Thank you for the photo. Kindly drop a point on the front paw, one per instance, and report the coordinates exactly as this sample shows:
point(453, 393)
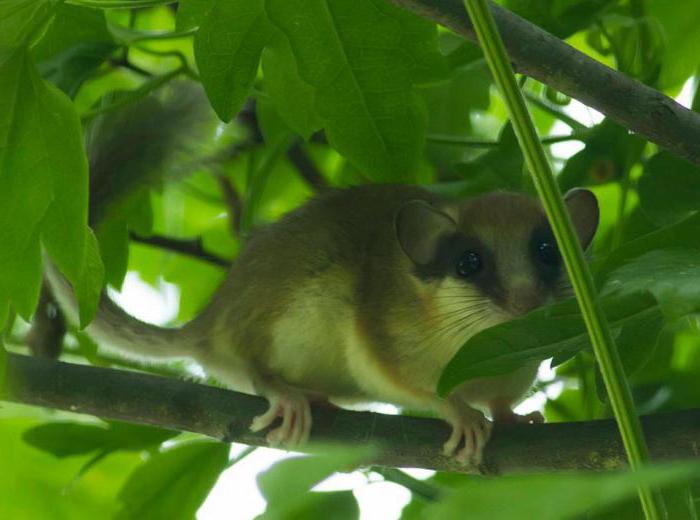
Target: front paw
point(469, 427)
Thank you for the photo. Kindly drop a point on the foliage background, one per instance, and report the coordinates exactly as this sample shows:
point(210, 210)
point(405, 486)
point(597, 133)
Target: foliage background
point(311, 95)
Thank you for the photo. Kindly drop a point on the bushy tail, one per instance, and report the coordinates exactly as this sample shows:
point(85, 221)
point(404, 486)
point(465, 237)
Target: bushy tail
point(128, 150)
point(112, 327)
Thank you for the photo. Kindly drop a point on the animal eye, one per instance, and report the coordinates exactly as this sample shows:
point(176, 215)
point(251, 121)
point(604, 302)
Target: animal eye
point(548, 253)
point(469, 264)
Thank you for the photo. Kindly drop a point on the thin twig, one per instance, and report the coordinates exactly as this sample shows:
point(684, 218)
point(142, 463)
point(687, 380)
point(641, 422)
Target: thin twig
point(306, 167)
point(233, 201)
point(189, 247)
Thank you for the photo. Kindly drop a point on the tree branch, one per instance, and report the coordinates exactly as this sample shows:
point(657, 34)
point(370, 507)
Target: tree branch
point(306, 167)
point(403, 441)
point(540, 55)
point(193, 248)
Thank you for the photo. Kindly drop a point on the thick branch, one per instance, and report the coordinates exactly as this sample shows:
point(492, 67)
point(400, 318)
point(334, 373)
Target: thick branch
point(404, 441)
point(538, 54)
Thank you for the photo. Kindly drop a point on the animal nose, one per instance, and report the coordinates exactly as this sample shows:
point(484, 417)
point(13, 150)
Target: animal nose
point(523, 299)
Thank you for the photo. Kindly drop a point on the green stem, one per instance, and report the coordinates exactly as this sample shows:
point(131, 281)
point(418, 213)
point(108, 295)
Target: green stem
point(425, 490)
point(572, 253)
point(481, 143)
point(554, 111)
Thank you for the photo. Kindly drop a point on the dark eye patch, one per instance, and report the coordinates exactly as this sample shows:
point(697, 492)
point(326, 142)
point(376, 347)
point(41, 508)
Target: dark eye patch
point(453, 252)
point(545, 255)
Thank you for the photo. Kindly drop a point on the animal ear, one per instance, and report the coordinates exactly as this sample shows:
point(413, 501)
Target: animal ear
point(583, 209)
point(419, 228)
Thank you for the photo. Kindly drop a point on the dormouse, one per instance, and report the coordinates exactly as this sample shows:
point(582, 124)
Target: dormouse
point(366, 294)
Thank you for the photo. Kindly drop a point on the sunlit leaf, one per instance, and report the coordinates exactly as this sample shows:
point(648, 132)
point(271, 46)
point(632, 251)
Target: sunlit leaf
point(341, 504)
point(43, 189)
point(228, 46)
point(285, 485)
point(353, 52)
point(682, 39)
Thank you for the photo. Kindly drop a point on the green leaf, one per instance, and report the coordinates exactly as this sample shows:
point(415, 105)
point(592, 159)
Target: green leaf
point(3, 354)
point(173, 483)
point(293, 98)
point(285, 485)
point(610, 151)
point(67, 439)
point(682, 39)
point(33, 482)
point(669, 188)
point(312, 505)
point(552, 496)
point(43, 189)
point(190, 13)
point(361, 57)
point(682, 235)
point(227, 47)
point(76, 42)
point(72, 25)
point(450, 105)
point(19, 19)
point(671, 275)
point(498, 169)
point(546, 332)
point(113, 237)
point(64, 439)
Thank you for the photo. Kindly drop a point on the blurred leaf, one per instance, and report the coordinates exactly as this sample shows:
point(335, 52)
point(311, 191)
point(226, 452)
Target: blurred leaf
point(33, 483)
point(559, 17)
point(64, 439)
point(553, 496)
point(228, 46)
point(285, 485)
point(173, 483)
point(500, 168)
point(610, 151)
point(67, 439)
point(669, 188)
point(671, 275)
point(293, 98)
point(541, 334)
point(681, 37)
point(450, 105)
point(44, 189)
point(362, 57)
point(637, 42)
point(341, 504)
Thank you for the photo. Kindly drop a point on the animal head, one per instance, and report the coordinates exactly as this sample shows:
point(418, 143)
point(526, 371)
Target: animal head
point(496, 252)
